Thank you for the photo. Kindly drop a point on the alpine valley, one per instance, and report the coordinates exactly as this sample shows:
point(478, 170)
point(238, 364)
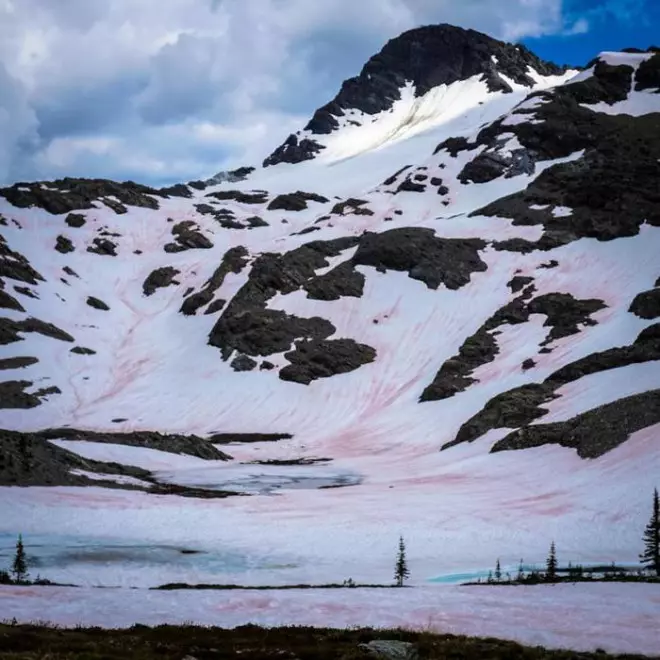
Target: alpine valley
point(434, 311)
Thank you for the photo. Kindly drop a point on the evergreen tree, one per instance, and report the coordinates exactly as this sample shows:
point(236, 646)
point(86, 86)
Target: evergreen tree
point(19, 565)
point(551, 563)
point(521, 573)
point(401, 571)
point(498, 571)
point(490, 577)
point(651, 555)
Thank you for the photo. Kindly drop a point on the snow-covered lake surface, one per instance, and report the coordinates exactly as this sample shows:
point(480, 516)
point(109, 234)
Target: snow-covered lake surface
point(619, 618)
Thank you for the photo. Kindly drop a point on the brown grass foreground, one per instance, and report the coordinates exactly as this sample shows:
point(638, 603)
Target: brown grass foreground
point(32, 642)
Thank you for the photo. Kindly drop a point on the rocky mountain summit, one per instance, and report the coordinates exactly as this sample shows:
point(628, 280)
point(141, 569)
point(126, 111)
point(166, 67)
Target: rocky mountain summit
point(426, 57)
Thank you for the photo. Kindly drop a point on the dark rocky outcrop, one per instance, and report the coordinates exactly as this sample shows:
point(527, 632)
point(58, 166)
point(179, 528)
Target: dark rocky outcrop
point(522, 405)
point(69, 194)
point(97, 304)
point(81, 350)
point(9, 330)
point(563, 312)
point(191, 445)
point(103, 246)
point(252, 197)
point(76, 220)
point(313, 359)
point(343, 280)
point(64, 245)
point(424, 256)
point(593, 433)
point(215, 306)
point(15, 266)
point(17, 362)
point(294, 150)
point(9, 302)
point(351, 206)
point(177, 190)
point(243, 363)
point(27, 459)
point(159, 278)
point(296, 201)
point(519, 282)
point(646, 305)
point(648, 74)
point(255, 221)
point(233, 261)
point(611, 190)
point(427, 57)
point(187, 237)
point(248, 327)
point(13, 394)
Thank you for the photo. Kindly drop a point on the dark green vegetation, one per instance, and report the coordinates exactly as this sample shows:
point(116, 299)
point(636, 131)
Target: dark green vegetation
point(30, 642)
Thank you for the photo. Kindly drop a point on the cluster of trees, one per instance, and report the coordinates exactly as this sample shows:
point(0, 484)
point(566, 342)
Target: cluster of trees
point(650, 560)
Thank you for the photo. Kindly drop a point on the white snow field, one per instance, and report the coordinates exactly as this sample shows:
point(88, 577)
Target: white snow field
point(459, 510)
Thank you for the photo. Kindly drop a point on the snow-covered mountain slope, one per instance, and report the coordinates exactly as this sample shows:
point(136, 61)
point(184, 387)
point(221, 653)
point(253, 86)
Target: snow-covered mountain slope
point(470, 272)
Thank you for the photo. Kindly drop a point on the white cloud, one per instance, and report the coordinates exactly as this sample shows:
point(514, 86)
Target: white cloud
point(174, 90)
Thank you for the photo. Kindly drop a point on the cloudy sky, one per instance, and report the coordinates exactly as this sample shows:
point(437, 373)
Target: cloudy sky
point(169, 90)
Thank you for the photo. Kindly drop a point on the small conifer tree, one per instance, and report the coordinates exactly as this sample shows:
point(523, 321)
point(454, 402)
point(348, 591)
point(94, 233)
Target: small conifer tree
point(498, 571)
point(551, 563)
point(521, 573)
point(401, 572)
point(651, 555)
point(19, 565)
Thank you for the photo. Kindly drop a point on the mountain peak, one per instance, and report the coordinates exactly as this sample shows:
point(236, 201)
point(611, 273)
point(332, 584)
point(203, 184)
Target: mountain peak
point(425, 57)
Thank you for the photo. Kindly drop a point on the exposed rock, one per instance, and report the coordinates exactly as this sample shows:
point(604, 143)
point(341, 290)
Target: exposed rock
point(343, 280)
point(75, 220)
point(247, 438)
point(233, 261)
point(519, 282)
point(15, 266)
point(81, 350)
point(159, 278)
point(454, 145)
point(191, 445)
point(648, 74)
point(491, 164)
point(103, 246)
point(295, 201)
point(187, 237)
point(116, 206)
point(25, 291)
point(97, 304)
point(230, 176)
point(13, 395)
point(528, 364)
point(9, 330)
point(390, 180)
point(177, 190)
point(424, 256)
point(64, 195)
point(215, 306)
point(564, 312)
point(256, 221)
point(64, 245)
point(408, 185)
point(9, 302)
point(608, 83)
point(593, 433)
point(69, 271)
point(294, 150)
point(351, 206)
point(17, 363)
point(313, 359)
point(252, 197)
point(521, 406)
point(243, 363)
point(646, 305)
